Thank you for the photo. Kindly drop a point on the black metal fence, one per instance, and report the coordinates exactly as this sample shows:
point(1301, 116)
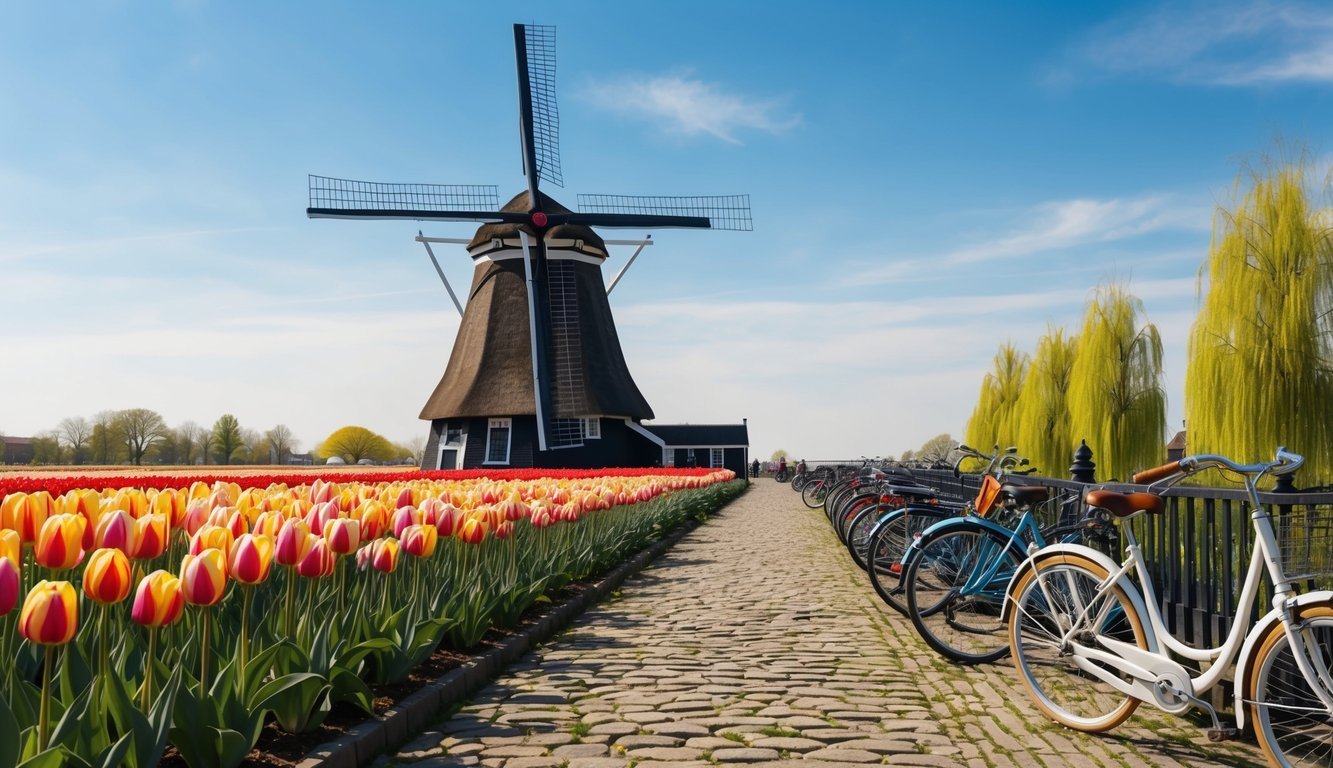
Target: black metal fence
point(1197, 551)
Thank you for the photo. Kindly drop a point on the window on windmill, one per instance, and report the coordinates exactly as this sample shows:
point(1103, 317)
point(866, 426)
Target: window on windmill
point(592, 428)
point(668, 457)
point(497, 441)
point(715, 459)
point(453, 436)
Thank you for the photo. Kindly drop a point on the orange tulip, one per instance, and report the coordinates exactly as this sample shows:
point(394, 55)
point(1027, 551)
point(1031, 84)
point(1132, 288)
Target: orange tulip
point(419, 540)
point(106, 578)
point(251, 558)
point(292, 537)
point(115, 529)
point(374, 517)
point(50, 613)
point(268, 523)
point(211, 537)
point(9, 584)
point(204, 577)
point(384, 555)
point(317, 560)
point(60, 542)
point(158, 601)
point(343, 535)
point(150, 537)
point(25, 513)
point(11, 546)
point(472, 531)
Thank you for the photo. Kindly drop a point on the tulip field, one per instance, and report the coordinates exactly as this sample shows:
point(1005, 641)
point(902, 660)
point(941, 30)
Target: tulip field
point(141, 612)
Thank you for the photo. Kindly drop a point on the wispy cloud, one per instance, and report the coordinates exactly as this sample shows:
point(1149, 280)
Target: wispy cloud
point(1250, 42)
point(684, 105)
point(1056, 226)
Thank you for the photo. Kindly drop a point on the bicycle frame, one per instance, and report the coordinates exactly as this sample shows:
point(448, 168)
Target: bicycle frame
point(978, 581)
point(1156, 677)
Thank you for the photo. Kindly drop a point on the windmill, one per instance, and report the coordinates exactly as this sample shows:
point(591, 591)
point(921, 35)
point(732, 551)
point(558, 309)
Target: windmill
point(536, 338)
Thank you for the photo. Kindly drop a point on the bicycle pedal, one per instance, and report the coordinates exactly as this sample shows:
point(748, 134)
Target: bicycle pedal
point(1223, 734)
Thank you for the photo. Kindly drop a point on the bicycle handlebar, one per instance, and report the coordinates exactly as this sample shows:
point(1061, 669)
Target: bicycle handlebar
point(1286, 462)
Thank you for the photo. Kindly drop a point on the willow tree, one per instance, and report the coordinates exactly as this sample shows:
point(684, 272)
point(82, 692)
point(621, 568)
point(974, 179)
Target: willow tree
point(995, 419)
point(1042, 431)
point(1116, 400)
point(1260, 349)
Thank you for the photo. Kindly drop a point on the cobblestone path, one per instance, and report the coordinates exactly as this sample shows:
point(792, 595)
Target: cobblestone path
point(756, 640)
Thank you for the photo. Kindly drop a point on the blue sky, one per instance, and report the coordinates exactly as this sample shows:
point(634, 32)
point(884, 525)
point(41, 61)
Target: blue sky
point(928, 181)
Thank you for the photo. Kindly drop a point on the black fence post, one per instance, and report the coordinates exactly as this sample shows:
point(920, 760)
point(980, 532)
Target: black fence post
point(1083, 469)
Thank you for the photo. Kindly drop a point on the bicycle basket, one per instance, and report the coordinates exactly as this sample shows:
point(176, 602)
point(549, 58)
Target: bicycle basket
point(1305, 541)
point(987, 495)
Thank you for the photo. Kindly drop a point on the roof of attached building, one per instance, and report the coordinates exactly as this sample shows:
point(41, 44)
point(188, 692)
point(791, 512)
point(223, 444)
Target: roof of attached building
point(700, 435)
point(1178, 442)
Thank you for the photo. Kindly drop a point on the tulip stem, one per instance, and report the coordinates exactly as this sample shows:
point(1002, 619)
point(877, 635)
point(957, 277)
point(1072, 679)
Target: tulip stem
point(247, 592)
point(289, 618)
point(204, 642)
point(44, 711)
point(146, 693)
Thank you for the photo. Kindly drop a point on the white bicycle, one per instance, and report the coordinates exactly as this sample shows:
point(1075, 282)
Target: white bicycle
point(1090, 646)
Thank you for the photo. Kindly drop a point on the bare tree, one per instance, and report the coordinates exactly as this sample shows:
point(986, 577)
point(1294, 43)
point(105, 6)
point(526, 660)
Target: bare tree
point(416, 448)
point(75, 432)
point(254, 446)
point(191, 442)
point(140, 430)
point(281, 442)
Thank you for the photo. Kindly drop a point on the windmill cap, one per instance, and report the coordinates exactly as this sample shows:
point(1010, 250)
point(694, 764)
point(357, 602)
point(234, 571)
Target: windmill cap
point(487, 233)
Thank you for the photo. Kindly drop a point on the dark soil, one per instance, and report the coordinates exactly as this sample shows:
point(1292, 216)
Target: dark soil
point(278, 749)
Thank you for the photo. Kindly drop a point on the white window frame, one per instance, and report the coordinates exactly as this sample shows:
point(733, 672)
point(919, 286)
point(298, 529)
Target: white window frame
point(592, 428)
point(668, 456)
point(491, 426)
point(716, 458)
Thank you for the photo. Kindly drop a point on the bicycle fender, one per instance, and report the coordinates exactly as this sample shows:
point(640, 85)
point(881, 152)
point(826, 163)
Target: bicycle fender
point(967, 521)
point(1111, 566)
point(1260, 631)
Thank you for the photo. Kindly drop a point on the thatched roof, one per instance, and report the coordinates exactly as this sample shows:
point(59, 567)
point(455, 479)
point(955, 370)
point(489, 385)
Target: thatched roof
point(490, 368)
point(519, 204)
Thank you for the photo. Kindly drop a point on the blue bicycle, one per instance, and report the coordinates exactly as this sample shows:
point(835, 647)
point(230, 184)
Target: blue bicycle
point(956, 573)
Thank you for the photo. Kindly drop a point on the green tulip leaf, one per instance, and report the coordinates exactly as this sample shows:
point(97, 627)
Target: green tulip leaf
point(9, 735)
point(55, 757)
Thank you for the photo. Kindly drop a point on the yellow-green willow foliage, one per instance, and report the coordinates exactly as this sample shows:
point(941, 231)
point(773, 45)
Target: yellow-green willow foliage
point(1043, 433)
point(1116, 400)
point(1260, 350)
point(995, 419)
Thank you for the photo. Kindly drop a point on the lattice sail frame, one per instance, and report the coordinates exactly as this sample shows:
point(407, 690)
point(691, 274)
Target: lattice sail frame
point(731, 212)
point(540, 41)
point(328, 193)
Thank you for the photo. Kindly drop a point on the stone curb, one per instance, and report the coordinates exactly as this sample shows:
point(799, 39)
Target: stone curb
point(363, 743)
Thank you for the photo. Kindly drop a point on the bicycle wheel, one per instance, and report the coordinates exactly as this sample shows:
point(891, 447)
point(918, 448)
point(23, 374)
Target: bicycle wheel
point(860, 528)
point(884, 555)
point(854, 507)
point(798, 482)
point(1292, 725)
point(1047, 599)
point(953, 587)
point(813, 493)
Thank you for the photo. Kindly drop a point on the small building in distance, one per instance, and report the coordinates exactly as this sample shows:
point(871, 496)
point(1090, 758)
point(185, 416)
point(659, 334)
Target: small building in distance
point(1175, 450)
point(16, 450)
point(702, 445)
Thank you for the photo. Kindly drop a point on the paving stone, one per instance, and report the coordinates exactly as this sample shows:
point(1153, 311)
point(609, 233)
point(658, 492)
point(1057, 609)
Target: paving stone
point(679, 729)
point(549, 761)
point(615, 729)
point(744, 755)
point(598, 762)
point(671, 754)
point(580, 750)
point(512, 751)
point(788, 743)
point(837, 755)
point(711, 743)
point(648, 740)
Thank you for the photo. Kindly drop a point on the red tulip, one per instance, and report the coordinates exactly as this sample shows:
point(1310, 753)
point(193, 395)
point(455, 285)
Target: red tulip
point(250, 558)
point(9, 584)
point(158, 600)
point(384, 555)
point(472, 531)
point(343, 535)
point(291, 541)
point(317, 560)
point(419, 540)
point(204, 577)
point(115, 529)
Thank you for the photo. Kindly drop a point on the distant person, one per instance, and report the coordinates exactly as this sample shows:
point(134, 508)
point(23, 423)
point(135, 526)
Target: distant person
point(800, 467)
point(754, 468)
point(782, 466)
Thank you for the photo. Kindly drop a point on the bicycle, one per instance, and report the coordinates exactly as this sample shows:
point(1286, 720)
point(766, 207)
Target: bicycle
point(1090, 647)
point(956, 572)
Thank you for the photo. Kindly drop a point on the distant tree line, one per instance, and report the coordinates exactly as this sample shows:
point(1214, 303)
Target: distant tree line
point(141, 436)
